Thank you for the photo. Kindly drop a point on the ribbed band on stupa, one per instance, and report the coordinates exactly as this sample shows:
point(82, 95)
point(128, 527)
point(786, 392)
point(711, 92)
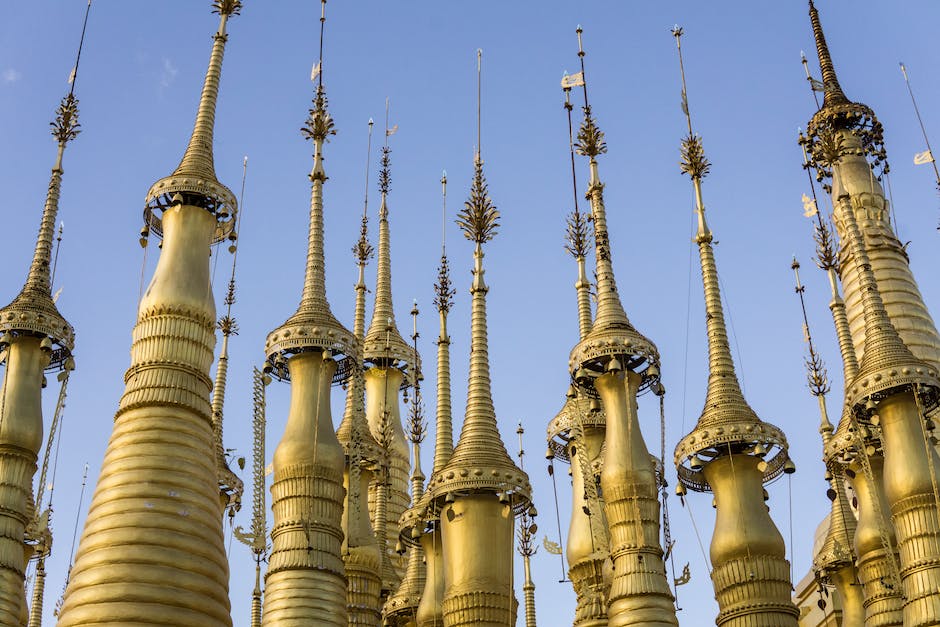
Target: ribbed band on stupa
point(139, 560)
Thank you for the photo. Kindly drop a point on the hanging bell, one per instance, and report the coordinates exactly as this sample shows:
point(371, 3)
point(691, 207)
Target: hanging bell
point(399, 548)
point(504, 498)
point(44, 382)
point(46, 345)
point(449, 497)
point(875, 419)
point(415, 533)
point(614, 365)
point(532, 511)
point(766, 496)
point(695, 462)
point(6, 339)
point(572, 392)
point(681, 490)
point(759, 450)
point(870, 405)
point(653, 371)
point(789, 467)
point(595, 405)
point(550, 453)
point(144, 235)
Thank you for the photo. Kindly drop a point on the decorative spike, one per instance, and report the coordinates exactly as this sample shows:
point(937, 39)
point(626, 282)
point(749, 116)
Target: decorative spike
point(832, 91)
point(443, 301)
point(194, 179)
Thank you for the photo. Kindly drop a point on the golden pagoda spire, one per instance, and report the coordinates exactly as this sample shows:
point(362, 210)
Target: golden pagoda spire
point(480, 489)
point(428, 524)
point(231, 487)
point(401, 609)
point(614, 362)
point(862, 163)
point(34, 337)
point(576, 435)
point(732, 452)
point(892, 390)
point(305, 580)
point(361, 552)
point(854, 455)
point(387, 358)
point(834, 562)
point(164, 423)
point(257, 538)
point(443, 301)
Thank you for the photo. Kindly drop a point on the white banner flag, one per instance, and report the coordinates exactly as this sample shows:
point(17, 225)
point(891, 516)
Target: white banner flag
point(923, 157)
point(572, 80)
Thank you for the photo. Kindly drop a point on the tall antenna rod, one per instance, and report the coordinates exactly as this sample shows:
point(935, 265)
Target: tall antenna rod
point(365, 204)
point(78, 56)
point(444, 213)
point(923, 129)
point(813, 83)
point(568, 108)
point(479, 101)
point(581, 54)
point(677, 33)
point(322, 28)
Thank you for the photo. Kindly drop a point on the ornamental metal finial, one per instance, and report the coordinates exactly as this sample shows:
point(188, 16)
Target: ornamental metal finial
point(817, 378)
point(362, 249)
point(832, 91)
point(194, 181)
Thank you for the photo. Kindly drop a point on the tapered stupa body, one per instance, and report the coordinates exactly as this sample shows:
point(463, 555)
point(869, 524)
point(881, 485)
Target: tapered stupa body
point(639, 593)
point(388, 358)
point(20, 440)
point(160, 459)
point(874, 545)
point(733, 452)
point(862, 137)
point(139, 560)
point(305, 582)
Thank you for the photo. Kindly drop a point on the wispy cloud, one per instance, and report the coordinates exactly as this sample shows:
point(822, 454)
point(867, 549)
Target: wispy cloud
point(10, 75)
point(169, 73)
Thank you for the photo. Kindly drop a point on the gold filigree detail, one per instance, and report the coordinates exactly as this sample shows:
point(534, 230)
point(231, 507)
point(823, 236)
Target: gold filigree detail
point(362, 249)
point(577, 235)
point(479, 218)
point(319, 124)
point(444, 290)
point(227, 7)
point(66, 127)
point(385, 174)
point(590, 137)
point(826, 257)
point(694, 163)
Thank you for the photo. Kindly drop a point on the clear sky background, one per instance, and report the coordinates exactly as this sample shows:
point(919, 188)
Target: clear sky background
point(139, 82)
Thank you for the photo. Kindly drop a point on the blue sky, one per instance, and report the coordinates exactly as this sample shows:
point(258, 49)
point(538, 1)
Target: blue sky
point(139, 82)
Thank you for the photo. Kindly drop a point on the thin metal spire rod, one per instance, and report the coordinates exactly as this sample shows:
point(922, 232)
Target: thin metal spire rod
point(444, 213)
point(677, 33)
point(322, 29)
point(581, 54)
point(81, 42)
point(55, 256)
point(809, 77)
point(568, 108)
point(365, 204)
point(479, 103)
point(923, 129)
